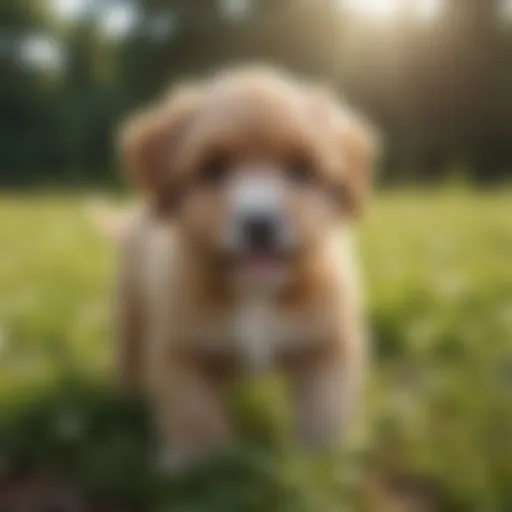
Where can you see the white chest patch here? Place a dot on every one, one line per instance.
(256, 332)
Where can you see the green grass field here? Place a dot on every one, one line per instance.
(438, 420)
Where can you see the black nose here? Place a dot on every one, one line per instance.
(260, 232)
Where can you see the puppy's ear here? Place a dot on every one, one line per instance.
(359, 146)
(148, 139)
(356, 147)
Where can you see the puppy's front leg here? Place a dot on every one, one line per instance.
(129, 318)
(326, 390)
(190, 414)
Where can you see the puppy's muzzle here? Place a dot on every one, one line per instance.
(259, 223)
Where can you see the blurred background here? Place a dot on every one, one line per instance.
(436, 77)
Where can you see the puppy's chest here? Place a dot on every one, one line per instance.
(256, 329)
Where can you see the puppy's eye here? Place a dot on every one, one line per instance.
(299, 170)
(214, 171)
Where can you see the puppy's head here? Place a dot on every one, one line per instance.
(253, 168)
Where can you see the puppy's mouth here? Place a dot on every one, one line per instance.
(262, 261)
(258, 263)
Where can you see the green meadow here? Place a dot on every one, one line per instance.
(436, 429)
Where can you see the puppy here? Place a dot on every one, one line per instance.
(240, 260)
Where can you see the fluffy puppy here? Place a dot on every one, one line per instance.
(241, 260)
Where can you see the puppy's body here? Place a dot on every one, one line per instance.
(174, 320)
(189, 318)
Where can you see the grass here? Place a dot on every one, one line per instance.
(438, 422)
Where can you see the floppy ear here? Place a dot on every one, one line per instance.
(359, 146)
(356, 149)
(147, 141)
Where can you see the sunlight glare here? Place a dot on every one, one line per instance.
(507, 8)
(424, 10)
(374, 8)
(429, 9)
